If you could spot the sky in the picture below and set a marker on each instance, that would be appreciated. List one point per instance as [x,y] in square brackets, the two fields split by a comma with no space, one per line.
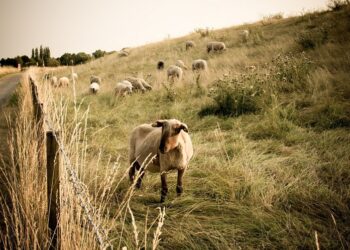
[87,25]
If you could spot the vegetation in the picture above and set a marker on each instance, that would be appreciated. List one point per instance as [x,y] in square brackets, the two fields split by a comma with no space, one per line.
[271,163]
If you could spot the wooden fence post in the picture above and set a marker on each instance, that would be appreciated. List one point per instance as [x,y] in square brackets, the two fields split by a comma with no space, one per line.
[53,179]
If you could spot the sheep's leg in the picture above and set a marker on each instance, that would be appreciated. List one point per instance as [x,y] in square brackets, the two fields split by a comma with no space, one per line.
[164,187]
[180,174]
[139,180]
[135,166]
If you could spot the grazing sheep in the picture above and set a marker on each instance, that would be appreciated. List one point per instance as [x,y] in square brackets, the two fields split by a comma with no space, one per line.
[190,44]
[94,87]
[215,46]
[244,35]
[181,64]
[139,84]
[160,147]
[174,72]
[199,64]
[54,81]
[63,82]
[123,88]
[160,65]
[95,79]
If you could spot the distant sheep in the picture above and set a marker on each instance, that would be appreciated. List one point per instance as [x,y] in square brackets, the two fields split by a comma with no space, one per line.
[95,79]
[199,64]
[94,87]
[54,81]
[190,44]
[244,35]
[181,64]
[215,46]
[139,84]
[160,65]
[174,72]
[123,88]
[63,82]
[159,148]
[123,53]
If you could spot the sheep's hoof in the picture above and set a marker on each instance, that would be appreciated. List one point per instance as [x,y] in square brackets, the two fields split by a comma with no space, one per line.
[179,190]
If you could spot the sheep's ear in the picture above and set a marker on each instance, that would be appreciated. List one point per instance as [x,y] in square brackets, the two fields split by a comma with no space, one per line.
[158,123]
[182,126]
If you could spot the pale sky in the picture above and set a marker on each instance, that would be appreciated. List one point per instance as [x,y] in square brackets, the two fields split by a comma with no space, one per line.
[87,25]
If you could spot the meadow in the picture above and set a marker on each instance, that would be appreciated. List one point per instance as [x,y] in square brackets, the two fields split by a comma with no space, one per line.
[269,123]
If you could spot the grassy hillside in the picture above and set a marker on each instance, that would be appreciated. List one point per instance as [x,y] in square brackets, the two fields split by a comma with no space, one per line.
[271,162]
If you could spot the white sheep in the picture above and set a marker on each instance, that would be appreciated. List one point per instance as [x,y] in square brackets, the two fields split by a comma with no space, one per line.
[189,44]
[244,35]
[63,82]
[139,84]
[216,46]
[174,72]
[199,64]
[160,147]
[123,88]
[181,64]
[94,87]
[95,79]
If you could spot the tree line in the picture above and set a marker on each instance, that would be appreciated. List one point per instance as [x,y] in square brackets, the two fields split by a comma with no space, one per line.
[41,57]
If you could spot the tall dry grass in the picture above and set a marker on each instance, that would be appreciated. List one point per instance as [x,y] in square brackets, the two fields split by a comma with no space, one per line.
[5,70]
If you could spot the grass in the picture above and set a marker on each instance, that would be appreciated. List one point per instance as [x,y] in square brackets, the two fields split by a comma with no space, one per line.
[273,177]
[5,70]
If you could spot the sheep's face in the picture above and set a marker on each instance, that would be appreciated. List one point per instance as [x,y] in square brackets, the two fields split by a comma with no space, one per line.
[170,134]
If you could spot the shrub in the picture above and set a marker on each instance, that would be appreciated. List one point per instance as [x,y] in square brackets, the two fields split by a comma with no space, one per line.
[234,97]
[312,38]
[337,4]
[202,32]
[291,72]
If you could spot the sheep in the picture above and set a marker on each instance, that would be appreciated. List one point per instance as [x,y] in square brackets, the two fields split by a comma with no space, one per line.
[199,64]
[123,53]
[244,35]
[174,72]
[181,64]
[123,88]
[139,84]
[190,44]
[63,81]
[160,147]
[94,87]
[160,65]
[215,46]
[95,79]
[54,81]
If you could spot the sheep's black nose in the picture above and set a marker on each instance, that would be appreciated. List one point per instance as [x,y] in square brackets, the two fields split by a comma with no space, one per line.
[161,150]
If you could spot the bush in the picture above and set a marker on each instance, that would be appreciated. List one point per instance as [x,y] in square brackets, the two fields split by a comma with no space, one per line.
[291,72]
[233,97]
[337,4]
[312,38]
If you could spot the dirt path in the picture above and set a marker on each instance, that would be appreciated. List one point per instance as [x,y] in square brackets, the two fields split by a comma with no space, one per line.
[8,85]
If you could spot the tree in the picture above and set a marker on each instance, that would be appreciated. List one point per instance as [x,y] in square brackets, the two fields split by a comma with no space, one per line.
[36,57]
[33,54]
[99,53]
[65,59]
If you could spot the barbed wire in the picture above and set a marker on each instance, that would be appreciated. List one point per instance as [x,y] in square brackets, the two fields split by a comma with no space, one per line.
[79,188]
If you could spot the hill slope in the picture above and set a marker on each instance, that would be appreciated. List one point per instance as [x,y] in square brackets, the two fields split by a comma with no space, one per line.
[271,162]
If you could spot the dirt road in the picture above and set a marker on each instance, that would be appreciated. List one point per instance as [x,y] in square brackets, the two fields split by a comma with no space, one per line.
[7,86]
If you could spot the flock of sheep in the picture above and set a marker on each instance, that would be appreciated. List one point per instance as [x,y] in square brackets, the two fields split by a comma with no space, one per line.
[164,145]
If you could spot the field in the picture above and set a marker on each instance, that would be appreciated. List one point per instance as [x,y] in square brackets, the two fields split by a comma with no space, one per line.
[270,127]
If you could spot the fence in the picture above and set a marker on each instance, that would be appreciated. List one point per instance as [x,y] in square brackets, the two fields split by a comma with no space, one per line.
[56,156]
